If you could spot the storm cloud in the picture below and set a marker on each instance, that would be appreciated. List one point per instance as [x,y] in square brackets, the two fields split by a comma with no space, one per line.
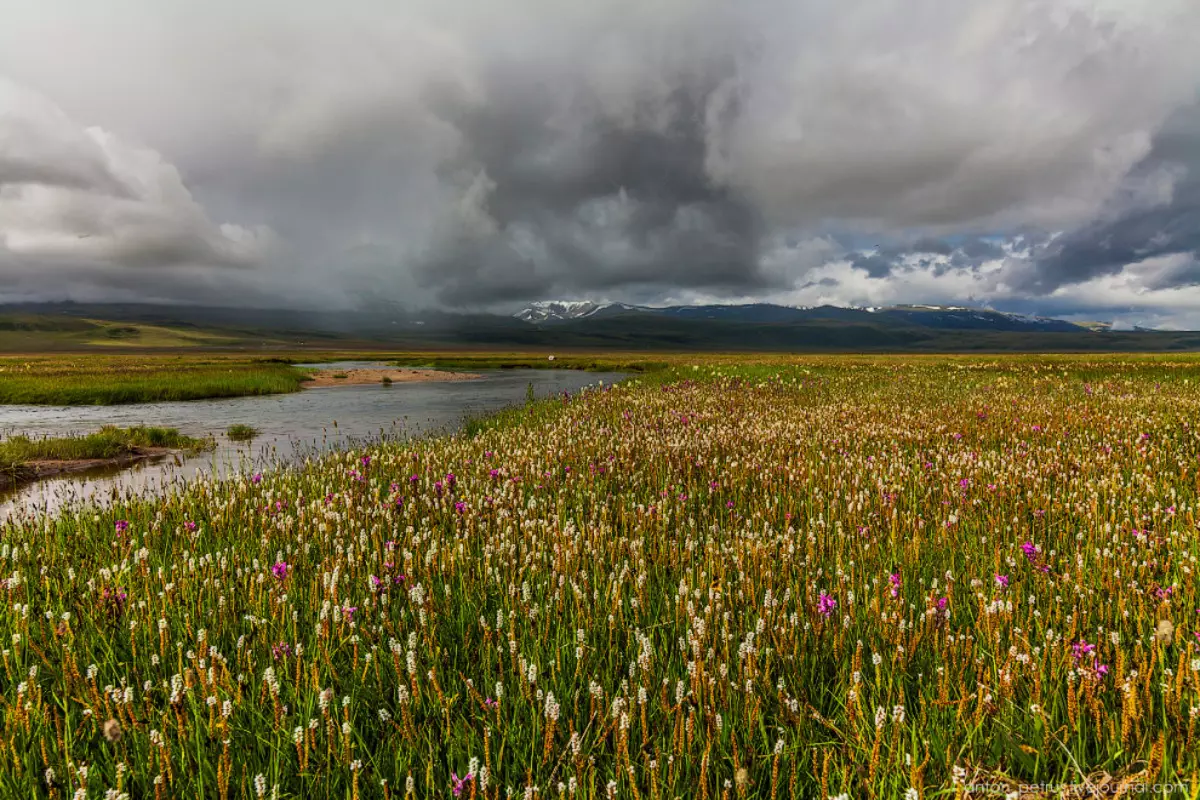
[470,155]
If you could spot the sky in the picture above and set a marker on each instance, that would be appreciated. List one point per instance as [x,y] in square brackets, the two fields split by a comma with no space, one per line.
[1040,156]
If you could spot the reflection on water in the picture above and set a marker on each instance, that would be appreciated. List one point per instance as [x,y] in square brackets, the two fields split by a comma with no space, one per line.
[292,426]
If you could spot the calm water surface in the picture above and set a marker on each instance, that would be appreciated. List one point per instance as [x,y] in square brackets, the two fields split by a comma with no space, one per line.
[291,426]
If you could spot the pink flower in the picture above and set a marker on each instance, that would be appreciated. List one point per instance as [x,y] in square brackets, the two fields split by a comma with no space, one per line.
[894,578]
[1002,580]
[457,783]
[826,604]
[280,569]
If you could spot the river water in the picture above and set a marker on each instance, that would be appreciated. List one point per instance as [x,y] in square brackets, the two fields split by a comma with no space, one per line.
[291,427]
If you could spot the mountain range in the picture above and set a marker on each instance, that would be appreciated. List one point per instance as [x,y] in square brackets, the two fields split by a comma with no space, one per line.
[583,326]
[925,316]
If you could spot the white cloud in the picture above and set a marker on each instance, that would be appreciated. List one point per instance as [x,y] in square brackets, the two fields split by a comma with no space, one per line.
[82,195]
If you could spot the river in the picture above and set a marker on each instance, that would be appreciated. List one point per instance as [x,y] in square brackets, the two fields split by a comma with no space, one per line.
[291,426]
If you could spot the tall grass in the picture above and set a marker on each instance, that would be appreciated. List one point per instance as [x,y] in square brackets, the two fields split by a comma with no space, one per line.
[108,442]
[108,381]
[839,577]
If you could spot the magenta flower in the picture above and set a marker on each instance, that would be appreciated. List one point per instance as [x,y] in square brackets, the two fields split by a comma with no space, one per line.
[457,783]
[941,603]
[1002,580]
[826,604]
[121,525]
[189,525]
[894,579]
[256,477]
[280,569]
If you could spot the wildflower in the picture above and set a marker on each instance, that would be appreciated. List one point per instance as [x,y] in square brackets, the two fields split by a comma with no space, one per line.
[1081,648]
[741,778]
[457,783]
[121,525]
[1002,581]
[826,604]
[894,579]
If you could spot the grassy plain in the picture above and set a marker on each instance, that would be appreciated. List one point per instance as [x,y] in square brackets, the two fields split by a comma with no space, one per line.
[818,578]
[107,379]
[41,332]
[89,379]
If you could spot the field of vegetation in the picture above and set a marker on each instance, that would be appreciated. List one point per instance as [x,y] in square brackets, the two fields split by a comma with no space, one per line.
[829,578]
[109,380]
[606,362]
[108,442]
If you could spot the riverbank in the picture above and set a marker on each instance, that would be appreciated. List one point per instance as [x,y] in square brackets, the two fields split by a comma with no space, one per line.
[385,375]
[23,459]
[116,380]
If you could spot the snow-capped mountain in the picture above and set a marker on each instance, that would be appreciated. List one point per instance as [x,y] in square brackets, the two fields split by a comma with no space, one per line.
[908,316]
[563,310]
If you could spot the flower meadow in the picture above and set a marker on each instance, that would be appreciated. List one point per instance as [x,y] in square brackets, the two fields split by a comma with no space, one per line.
[822,578]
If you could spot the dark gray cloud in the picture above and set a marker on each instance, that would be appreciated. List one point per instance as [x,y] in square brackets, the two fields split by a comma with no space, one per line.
[605,205]
[1157,214]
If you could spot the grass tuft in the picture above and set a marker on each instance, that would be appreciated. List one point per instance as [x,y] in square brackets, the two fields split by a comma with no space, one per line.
[241,433]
